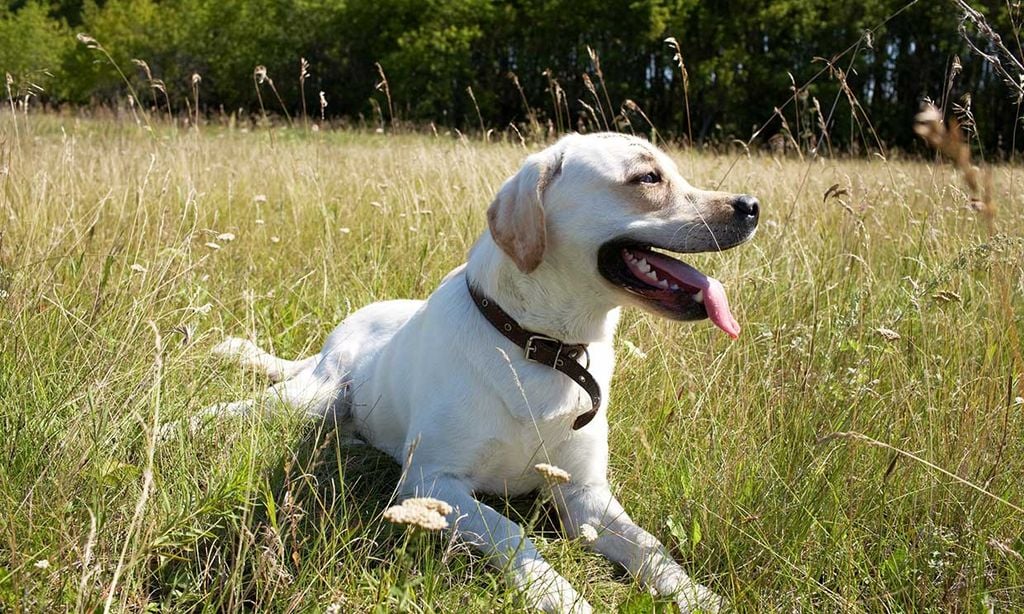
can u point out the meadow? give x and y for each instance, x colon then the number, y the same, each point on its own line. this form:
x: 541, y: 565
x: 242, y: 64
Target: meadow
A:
x: 859, y: 448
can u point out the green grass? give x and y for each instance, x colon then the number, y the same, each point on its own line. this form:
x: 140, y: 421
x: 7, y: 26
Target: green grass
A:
x: 716, y: 445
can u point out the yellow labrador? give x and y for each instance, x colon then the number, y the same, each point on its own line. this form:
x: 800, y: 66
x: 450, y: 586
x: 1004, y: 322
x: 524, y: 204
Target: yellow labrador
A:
x: 508, y: 363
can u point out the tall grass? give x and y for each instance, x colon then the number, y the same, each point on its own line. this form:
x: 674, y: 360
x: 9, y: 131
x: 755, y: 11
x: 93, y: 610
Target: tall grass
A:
x: 874, y: 302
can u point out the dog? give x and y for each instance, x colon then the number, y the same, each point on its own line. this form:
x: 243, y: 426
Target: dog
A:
x: 508, y: 363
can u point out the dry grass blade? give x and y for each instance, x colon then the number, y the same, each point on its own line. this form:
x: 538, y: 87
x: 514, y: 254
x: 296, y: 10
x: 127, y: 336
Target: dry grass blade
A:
x: 303, y: 75
x: 147, y: 474
x: 196, y: 80
x: 9, y: 80
x: 589, y: 84
x: 595, y: 61
x: 383, y: 86
x: 531, y: 114
x: 483, y: 131
x: 1001, y: 57
x: 677, y: 57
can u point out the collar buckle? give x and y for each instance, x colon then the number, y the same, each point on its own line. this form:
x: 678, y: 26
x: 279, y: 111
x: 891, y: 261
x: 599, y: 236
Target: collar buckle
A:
x: 530, y: 349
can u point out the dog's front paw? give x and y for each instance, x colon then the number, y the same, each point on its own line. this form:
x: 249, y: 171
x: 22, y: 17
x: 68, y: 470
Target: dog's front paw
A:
x: 697, y: 598
x: 547, y: 591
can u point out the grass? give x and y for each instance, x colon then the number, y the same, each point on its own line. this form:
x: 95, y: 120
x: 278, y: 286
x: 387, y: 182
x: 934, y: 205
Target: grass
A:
x: 881, y: 307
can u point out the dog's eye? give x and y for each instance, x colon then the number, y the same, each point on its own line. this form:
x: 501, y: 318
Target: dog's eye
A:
x: 649, y: 178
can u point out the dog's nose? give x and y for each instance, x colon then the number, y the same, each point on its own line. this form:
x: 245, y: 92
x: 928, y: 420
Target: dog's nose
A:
x: 747, y: 207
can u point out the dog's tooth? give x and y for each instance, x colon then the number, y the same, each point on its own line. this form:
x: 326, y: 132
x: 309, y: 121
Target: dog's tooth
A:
x: 699, y: 297
x: 663, y: 284
x: 650, y: 275
x: 642, y: 263
x: 673, y: 287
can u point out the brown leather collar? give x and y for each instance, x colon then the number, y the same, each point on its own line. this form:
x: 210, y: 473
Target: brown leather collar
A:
x: 545, y: 350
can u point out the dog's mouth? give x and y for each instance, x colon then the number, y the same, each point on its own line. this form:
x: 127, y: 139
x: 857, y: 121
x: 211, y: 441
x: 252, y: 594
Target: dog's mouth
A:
x: 665, y: 285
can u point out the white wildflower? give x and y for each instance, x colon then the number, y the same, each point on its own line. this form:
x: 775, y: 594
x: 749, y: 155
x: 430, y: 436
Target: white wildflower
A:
x: 422, y: 512
x: 588, y: 533
x: 275, y: 239
x: 138, y: 268
x: 226, y: 236
x: 259, y: 198
x: 553, y: 474
x: 212, y: 245
x: 42, y: 564
x: 429, y: 503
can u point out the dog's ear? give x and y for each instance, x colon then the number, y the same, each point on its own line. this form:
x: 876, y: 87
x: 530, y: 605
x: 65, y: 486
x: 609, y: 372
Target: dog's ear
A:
x: 516, y: 217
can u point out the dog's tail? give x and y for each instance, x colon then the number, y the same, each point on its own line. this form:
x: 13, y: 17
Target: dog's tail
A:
x: 248, y: 354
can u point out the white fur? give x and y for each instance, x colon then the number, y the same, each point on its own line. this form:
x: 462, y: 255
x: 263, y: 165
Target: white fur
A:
x: 434, y: 385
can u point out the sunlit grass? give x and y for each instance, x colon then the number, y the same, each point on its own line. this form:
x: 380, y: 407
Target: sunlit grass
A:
x: 717, y: 446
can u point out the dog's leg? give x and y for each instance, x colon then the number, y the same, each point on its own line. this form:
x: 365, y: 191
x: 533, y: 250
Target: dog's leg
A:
x: 502, y: 542
x: 620, y: 540
x: 315, y: 395
x: 250, y: 355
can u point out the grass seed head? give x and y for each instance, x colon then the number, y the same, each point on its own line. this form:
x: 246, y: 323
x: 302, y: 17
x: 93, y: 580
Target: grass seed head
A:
x: 145, y: 68
x: 888, y: 333
x: 87, y: 40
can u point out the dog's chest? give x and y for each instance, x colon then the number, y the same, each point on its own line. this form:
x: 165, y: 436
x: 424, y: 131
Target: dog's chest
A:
x: 505, y: 465
x: 533, y: 431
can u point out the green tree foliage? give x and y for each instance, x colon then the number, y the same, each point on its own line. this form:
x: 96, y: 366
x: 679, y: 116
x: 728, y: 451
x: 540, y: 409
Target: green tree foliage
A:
x: 32, y: 47
x: 743, y: 58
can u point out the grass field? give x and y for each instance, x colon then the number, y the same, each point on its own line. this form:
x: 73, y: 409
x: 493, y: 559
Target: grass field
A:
x: 888, y: 310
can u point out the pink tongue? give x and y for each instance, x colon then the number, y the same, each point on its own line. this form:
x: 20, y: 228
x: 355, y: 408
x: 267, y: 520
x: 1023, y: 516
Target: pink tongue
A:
x: 718, y: 308
x: 715, y: 301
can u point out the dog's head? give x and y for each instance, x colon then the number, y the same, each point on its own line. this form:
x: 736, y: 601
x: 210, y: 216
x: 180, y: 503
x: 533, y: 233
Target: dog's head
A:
x: 597, y: 207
